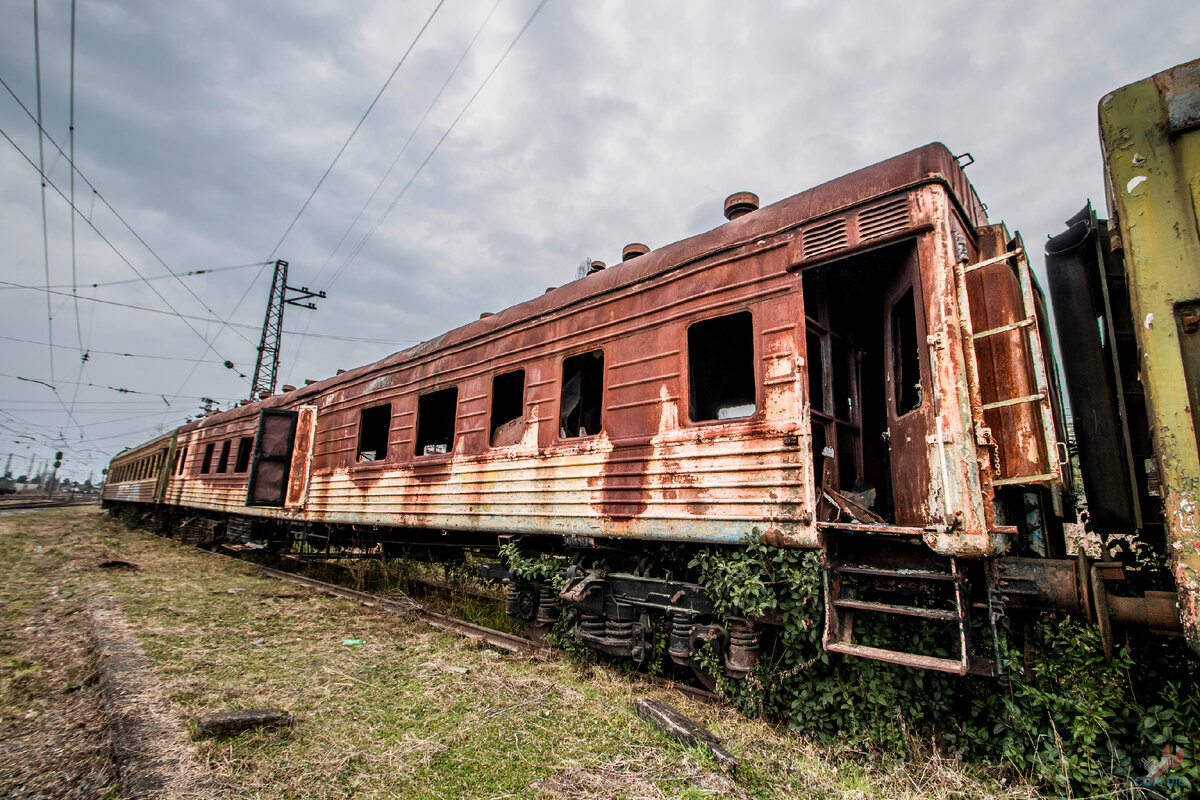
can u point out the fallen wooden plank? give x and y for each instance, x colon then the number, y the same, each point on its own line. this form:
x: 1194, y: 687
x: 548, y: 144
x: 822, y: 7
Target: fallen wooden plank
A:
x: 223, y: 723
x: 682, y: 729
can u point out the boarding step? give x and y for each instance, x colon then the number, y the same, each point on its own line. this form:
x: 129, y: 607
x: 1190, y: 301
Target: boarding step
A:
x: 892, y: 608
x: 895, y: 657
x: 890, y: 579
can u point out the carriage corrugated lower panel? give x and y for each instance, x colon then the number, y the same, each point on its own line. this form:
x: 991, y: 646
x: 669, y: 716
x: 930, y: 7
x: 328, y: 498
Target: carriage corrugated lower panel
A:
x: 689, y: 492
x: 131, y: 491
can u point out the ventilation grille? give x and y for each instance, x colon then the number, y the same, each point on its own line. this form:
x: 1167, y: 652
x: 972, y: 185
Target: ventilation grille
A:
x: 825, y: 238
x: 881, y: 220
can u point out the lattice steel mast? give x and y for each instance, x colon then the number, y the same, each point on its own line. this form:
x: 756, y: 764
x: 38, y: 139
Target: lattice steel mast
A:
x: 267, y: 366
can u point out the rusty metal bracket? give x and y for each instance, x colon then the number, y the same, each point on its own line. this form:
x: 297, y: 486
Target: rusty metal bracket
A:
x: 1190, y: 318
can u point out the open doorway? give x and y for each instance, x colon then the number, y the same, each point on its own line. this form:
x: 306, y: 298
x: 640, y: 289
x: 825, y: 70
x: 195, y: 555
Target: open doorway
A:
x: 868, y: 382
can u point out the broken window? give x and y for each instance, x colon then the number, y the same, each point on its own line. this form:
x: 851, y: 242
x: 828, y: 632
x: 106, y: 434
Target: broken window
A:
x: 183, y: 461
x: 436, y: 414
x: 373, y: 426
x: 721, y: 368
x: 223, y: 461
x: 508, y: 408
x: 243, y: 454
x: 906, y: 354
x: 208, y: 453
x: 579, y: 410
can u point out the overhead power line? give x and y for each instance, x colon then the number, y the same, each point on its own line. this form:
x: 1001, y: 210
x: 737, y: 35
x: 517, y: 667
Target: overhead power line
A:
x: 37, y: 68
x: 364, y: 339
x: 408, y: 141
x: 295, y: 219
x: 92, y: 351
x: 71, y: 145
x: 350, y: 138
x: 96, y: 193
x: 188, y: 274
x: 119, y: 389
x: 429, y: 157
x: 113, y: 247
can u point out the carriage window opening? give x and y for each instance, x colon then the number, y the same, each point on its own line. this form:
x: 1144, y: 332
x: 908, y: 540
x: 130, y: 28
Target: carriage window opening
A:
x: 436, y: 413
x: 223, y: 461
x: 721, y: 368
x: 374, y: 425
x: 844, y: 366
x: 175, y: 462
x: 183, y: 461
x: 245, y: 444
x: 906, y: 354
x: 207, y: 463
x: 508, y: 408
x: 816, y: 373
x: 582, y: 397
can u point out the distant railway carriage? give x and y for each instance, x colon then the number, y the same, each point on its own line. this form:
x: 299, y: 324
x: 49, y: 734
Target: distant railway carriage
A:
x: 863, y: 368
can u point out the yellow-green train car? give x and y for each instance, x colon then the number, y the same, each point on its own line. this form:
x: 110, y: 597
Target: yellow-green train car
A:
x: 1127, y: 297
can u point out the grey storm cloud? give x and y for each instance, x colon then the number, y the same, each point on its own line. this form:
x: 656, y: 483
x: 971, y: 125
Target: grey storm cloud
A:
x: 206, y: 125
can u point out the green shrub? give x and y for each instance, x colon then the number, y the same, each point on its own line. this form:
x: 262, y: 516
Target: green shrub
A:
x: 1071, y: 722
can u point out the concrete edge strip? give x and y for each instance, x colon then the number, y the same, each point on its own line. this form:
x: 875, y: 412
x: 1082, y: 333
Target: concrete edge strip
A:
x: 151, y: 746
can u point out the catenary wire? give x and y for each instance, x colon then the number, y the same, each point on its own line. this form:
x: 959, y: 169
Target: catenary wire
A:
x: 108, y: 205
x: 363, y: 339
x: 350, y: 138
x: 37, y: 62
x: 188, y: 274
x: 328, y: 169
x: 120, y: 255
x: 408, y: 141
x: 92, y: 351
x: 429, y: 157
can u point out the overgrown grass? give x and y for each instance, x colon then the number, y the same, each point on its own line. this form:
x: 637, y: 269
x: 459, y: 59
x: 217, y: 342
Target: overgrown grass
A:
x: 397, y: 716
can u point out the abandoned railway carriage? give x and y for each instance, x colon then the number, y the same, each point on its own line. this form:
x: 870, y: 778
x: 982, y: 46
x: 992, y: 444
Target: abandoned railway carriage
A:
x: 862, y: 368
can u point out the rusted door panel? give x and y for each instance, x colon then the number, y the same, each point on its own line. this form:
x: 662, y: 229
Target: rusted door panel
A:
x: 1003, y: 359
x: 908, y: 395
x: 302, y: 450
x: 272, y: 457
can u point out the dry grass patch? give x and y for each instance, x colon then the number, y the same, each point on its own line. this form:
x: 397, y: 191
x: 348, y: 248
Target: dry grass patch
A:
x: 416, y: 714
x: 52, y: 744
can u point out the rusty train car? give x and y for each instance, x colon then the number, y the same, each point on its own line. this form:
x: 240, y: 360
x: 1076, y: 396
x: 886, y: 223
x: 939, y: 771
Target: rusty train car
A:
x: 863, y: 368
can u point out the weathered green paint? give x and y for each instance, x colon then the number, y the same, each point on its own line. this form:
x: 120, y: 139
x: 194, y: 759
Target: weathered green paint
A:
x: 1151, y: 143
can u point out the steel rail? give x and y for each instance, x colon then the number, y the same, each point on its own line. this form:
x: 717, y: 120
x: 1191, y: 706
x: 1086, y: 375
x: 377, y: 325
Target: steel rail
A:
x: 505, y: 641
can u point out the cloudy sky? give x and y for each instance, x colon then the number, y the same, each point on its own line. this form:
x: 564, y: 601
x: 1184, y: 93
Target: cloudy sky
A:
x: 204, y: 126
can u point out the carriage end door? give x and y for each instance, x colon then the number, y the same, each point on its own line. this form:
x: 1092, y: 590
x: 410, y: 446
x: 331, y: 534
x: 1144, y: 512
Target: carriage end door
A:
x: 272, y: 457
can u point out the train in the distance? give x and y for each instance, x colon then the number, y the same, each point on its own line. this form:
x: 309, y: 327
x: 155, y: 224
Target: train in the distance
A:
x: 864, y: 368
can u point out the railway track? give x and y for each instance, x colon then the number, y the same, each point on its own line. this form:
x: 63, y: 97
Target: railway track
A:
x: 494, y: 638
x: 19, y: 505
x: 512, y: 643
